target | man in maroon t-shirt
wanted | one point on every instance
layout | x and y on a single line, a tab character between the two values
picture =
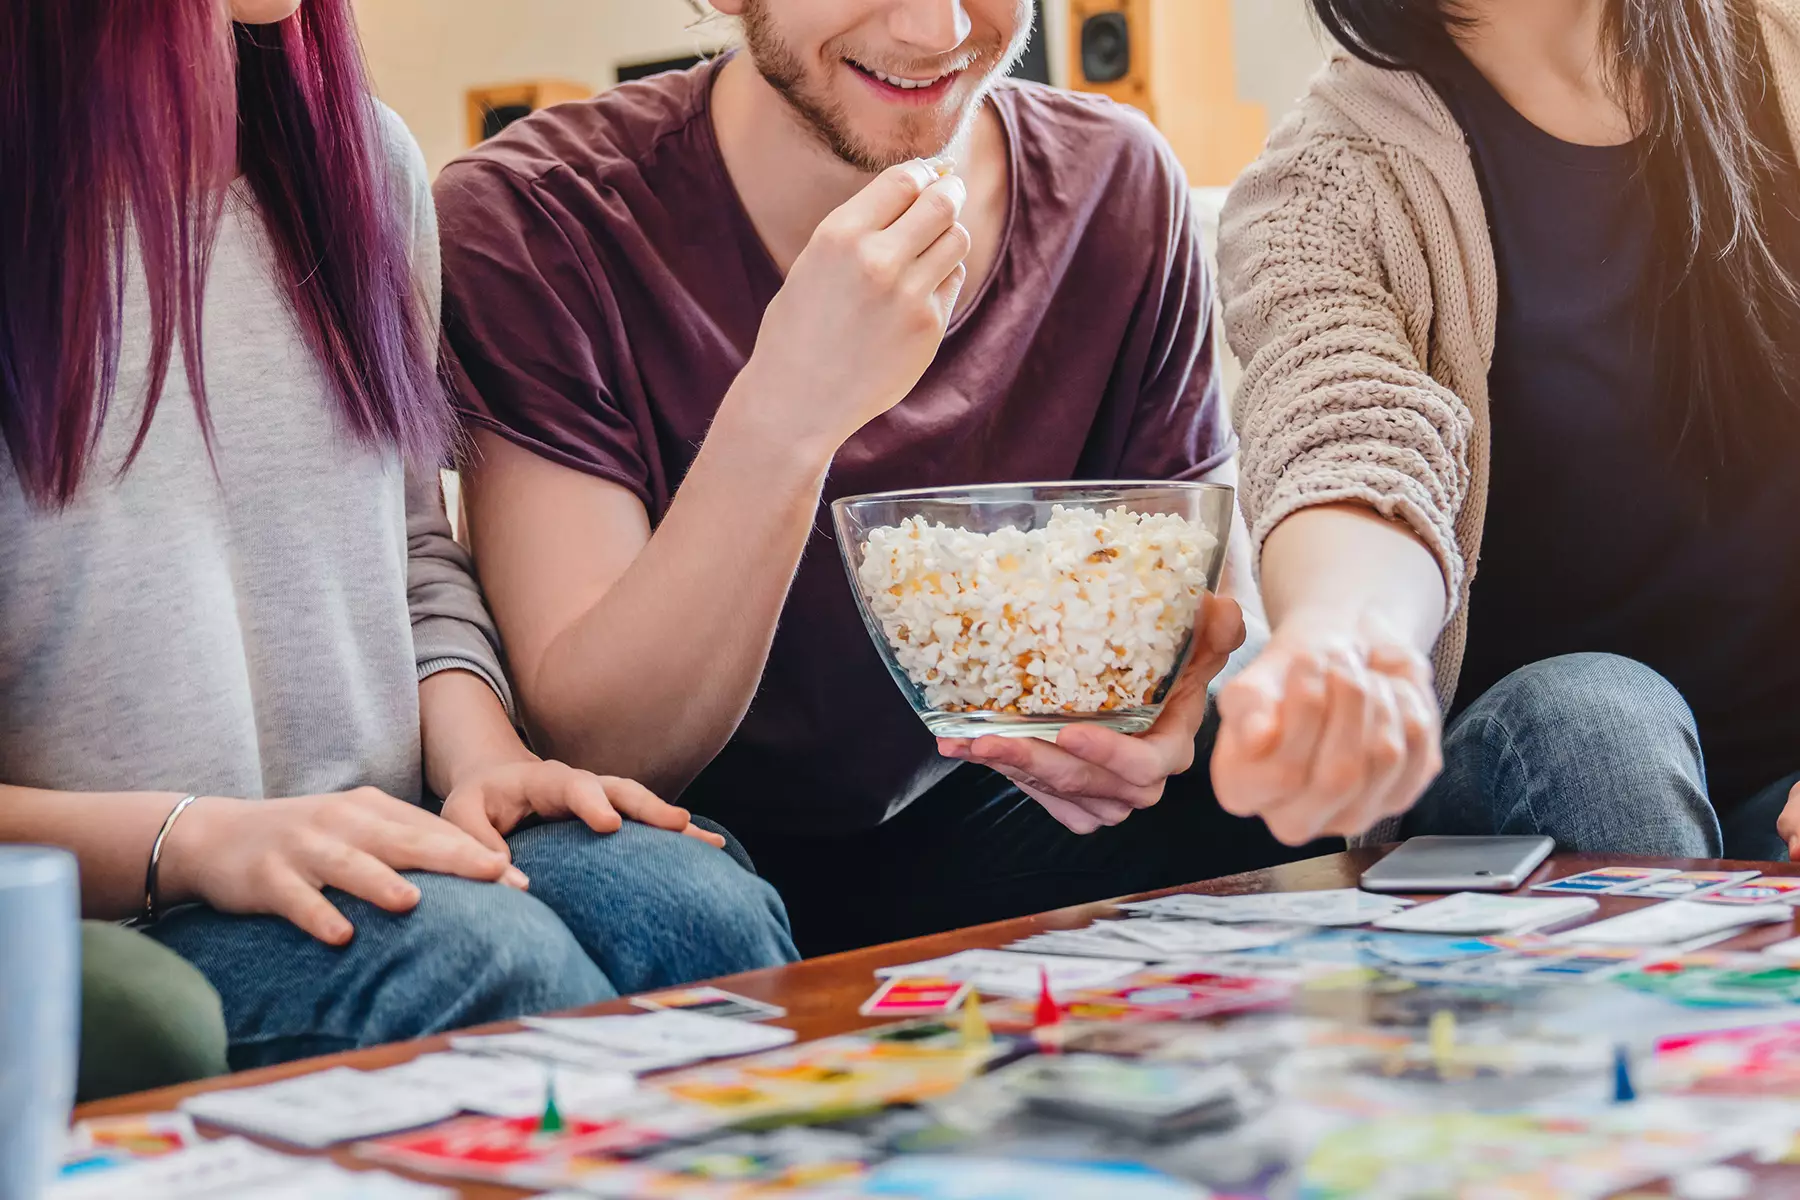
686	315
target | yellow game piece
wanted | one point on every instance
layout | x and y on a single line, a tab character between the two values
975	1032
1443	1038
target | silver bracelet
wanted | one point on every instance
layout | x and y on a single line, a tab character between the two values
151	913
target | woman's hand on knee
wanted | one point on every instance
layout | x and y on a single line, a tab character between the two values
490	803
277	856
1330	730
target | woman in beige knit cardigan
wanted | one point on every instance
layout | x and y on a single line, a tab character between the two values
1519	284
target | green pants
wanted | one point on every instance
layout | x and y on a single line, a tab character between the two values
148	1018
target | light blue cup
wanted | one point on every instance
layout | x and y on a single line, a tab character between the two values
40	1002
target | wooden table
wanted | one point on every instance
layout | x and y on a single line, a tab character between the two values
821	995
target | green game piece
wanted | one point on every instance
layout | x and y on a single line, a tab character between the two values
552	1121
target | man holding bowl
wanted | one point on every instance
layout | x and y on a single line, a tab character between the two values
688	313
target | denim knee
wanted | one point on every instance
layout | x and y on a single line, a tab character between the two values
484	952
655	908
1600	751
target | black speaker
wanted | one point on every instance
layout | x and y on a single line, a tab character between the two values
1105	48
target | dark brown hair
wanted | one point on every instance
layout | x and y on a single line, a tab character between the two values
1719	163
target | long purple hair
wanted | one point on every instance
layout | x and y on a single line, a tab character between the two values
121	127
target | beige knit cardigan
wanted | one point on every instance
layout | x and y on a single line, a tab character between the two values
1360	293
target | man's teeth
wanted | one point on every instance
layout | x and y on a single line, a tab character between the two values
906	85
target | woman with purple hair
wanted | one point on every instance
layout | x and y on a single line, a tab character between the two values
238	644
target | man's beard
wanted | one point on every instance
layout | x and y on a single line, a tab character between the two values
826	119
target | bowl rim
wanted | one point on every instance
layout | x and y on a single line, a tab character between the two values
1179	485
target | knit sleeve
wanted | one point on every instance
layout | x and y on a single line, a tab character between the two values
1328	303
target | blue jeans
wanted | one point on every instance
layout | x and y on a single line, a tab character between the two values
639	909
1599	752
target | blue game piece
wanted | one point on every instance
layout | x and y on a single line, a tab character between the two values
1623	1091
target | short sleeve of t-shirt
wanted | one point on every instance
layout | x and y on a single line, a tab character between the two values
530	325
1174	424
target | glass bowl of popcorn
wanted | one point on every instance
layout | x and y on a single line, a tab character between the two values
1021	609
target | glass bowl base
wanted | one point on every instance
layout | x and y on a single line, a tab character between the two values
1044	728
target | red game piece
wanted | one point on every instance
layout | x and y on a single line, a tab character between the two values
1048	1011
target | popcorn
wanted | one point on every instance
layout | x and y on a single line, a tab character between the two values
1087	614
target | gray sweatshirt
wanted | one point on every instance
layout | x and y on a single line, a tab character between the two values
259	630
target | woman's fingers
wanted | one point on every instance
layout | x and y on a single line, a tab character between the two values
470	814
364	876
642	805
441	848
291	897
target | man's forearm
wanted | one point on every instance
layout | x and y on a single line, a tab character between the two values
652	681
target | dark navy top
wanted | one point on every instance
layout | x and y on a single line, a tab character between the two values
1594	540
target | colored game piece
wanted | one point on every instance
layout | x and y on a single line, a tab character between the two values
552	1121
1623	1091
975	1032
1443	1040
1048	1013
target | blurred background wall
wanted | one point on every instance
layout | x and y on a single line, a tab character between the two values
428	54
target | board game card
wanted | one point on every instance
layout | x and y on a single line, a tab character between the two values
1606	880
1767	889
1675	921
312	1180
1689	885
322	1109
1480	912
1333	906
666	1033
228	1166
1008	973
496	1086
712	1002
105	1142
515	1151
583	1056
915	996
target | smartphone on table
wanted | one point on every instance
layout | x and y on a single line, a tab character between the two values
1458	864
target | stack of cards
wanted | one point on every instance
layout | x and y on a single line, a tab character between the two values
549	1048
906	996
515	1152
1145	1099
712	1002
1607	881
1481	912
1006	973
1336	906
1158	940
234	1169
666	1034
513	1087
323	1109
1768	889
1676	921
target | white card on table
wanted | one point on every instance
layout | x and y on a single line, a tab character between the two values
1769	889
667	1032
1675	921
1333	906
1482	912
1009	973
313	1180
1688	885
226	1167
543	1047
322	1109
1788	950
497	1086
1606	881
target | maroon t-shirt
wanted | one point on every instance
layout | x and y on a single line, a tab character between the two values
603	286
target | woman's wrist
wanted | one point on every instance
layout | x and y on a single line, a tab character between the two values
184	850
464	730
